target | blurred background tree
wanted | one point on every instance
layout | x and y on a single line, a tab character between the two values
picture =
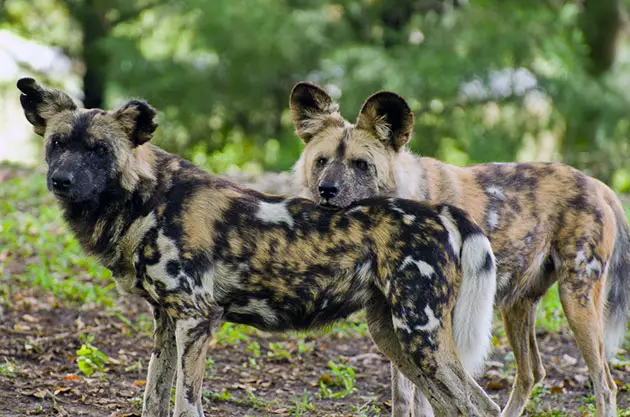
488	81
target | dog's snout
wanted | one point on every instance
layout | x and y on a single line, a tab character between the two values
328	189
62	180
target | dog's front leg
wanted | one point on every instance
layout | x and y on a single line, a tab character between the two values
157	394
192	335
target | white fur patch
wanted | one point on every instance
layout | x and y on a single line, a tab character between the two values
407	175
593	267
454	237
275	213
424	268
496	192
493	219
472	319
356	209
168	252
432	322
364	272
392	203
398	324
504	280
579	258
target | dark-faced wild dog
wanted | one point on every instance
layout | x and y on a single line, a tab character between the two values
546	222
201	250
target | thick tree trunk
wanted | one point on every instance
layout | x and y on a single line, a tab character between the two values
601	22
95	58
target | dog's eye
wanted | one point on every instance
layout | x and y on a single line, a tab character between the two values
100	149
56	143
321	162
360	164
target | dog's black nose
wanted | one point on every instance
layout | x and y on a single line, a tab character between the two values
63	180
328	189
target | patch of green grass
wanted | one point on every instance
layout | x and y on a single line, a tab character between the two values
301	406
278	352
37	249
537	408
549	316
366	410
354	325
232	334
341	375
250	400
589	405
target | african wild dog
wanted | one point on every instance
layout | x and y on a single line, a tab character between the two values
200	250
547	222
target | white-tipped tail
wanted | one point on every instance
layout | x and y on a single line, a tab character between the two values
472	320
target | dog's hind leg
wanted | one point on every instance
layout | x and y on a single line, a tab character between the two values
585	319
157	393
439	375
193	336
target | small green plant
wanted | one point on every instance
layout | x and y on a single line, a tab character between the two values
366	410
589	405
254	349
89	358
302	406
341	376
223	396
278	352
231	334
8	369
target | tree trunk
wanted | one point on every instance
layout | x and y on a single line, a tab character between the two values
95	58
600	23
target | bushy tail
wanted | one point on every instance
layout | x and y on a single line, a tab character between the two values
618	285
472	318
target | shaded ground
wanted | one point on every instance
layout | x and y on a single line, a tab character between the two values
40	374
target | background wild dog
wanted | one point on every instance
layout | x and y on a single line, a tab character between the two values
200	250
547	222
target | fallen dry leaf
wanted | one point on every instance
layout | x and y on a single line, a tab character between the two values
71	377
495	385
59	390
139	383
30	319
556	390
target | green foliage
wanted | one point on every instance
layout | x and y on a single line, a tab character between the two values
341	375
302	405
488	81
8	369
549	315
38	251
89	358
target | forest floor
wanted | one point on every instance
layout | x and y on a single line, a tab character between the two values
71	346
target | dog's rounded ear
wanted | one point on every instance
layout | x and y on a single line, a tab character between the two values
311	110
41	103
137	118
388	116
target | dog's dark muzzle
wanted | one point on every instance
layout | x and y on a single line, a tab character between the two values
62	182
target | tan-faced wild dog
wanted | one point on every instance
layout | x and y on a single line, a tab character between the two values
547	222
201	250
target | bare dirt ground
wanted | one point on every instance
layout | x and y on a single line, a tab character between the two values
40	340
